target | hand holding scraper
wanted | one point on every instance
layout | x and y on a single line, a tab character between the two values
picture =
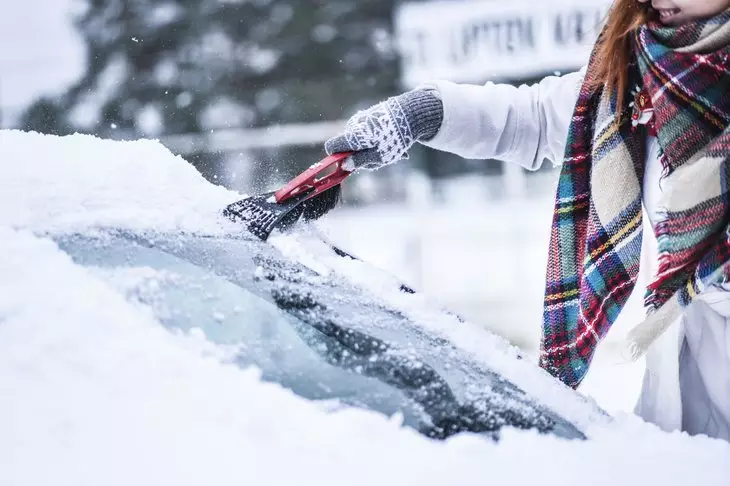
373	138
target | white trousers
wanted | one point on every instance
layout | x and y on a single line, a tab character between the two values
687	380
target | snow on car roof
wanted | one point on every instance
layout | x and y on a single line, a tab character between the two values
94	391
67	184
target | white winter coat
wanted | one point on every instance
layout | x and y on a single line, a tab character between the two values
687	380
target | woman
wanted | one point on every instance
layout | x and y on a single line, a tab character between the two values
642	137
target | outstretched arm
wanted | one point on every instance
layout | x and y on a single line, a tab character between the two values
524	125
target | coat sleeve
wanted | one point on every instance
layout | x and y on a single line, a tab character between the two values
524	125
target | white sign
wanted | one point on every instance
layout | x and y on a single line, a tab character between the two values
481	40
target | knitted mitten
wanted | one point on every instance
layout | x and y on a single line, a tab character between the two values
383	133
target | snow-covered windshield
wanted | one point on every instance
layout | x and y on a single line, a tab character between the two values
188	298
293	332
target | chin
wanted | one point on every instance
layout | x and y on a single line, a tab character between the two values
674	22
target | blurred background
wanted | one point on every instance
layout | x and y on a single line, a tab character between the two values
248	90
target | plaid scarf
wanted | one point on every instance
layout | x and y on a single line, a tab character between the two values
595	243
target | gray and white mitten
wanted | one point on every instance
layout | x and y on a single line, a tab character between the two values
385	132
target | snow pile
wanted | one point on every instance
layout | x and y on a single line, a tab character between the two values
75	183
93	390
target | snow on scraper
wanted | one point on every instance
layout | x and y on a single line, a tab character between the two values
308	196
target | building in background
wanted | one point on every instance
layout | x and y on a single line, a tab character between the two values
488	40
477	41
209	78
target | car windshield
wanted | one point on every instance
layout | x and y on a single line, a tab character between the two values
309	333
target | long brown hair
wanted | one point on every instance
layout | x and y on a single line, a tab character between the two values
613	52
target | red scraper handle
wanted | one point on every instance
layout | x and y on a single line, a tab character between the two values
308	179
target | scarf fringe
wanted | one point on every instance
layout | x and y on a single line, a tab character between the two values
641	337
666	272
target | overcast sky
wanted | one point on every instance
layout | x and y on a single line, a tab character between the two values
40	52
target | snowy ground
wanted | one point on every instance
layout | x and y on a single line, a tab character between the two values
93	390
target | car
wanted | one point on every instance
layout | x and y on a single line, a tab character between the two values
315	333
334	330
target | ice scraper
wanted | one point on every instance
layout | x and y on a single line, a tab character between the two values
309	195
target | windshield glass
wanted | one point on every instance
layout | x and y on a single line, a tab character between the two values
186	297
308	334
